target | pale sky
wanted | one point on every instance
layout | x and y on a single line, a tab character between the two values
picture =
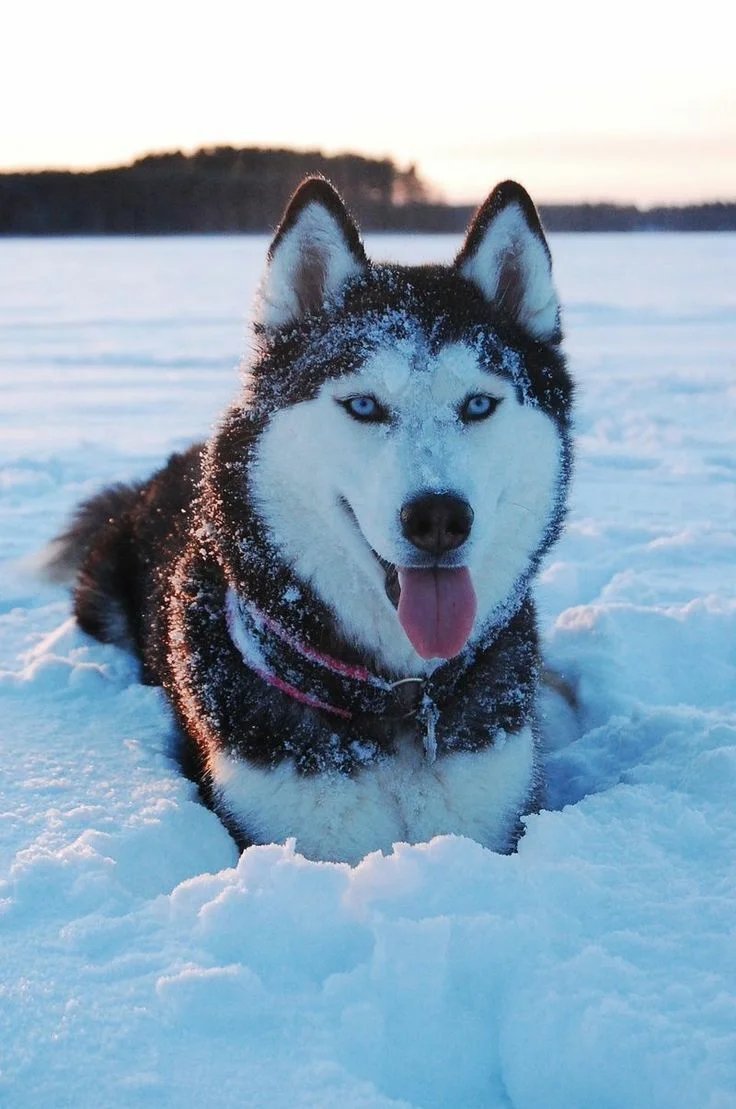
579	101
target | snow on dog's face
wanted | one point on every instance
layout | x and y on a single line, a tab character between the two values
413	462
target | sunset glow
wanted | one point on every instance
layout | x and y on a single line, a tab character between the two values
638	109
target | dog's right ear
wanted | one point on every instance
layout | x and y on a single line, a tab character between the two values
315	252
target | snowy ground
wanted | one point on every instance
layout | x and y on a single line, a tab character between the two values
142	963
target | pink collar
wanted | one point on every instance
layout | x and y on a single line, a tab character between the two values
253	632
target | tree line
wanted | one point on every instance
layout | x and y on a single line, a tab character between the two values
224	189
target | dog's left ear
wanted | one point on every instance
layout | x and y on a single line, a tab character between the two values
506	255
315	252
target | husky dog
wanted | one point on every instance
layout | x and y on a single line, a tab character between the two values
334	590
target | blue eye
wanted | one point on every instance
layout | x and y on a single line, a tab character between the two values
479	406
362	407
366	409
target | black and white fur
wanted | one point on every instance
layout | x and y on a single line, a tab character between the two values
294	507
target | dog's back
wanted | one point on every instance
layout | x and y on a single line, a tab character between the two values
115	551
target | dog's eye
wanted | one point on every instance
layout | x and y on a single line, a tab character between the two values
479	406
365	408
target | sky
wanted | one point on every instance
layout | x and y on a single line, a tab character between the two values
632	103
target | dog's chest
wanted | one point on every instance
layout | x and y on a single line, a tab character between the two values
403	798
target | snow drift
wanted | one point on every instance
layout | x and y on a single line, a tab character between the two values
144	963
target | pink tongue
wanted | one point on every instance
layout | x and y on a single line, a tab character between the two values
436	610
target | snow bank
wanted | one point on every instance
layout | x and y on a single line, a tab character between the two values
144	963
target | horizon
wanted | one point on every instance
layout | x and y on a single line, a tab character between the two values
646	116
436	195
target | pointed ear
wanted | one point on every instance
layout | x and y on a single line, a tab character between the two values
316	250
506	255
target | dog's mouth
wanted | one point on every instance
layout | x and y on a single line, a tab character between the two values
436	605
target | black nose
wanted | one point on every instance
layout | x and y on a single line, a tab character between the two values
437	522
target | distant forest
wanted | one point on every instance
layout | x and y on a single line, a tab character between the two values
222	189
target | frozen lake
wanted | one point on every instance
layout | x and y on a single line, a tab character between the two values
141	963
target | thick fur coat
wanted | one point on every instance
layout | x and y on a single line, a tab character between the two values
334	590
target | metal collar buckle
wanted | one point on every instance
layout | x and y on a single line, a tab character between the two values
413	698
408	694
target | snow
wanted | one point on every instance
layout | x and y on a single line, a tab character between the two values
143	963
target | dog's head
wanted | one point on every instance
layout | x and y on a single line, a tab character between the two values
414	449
